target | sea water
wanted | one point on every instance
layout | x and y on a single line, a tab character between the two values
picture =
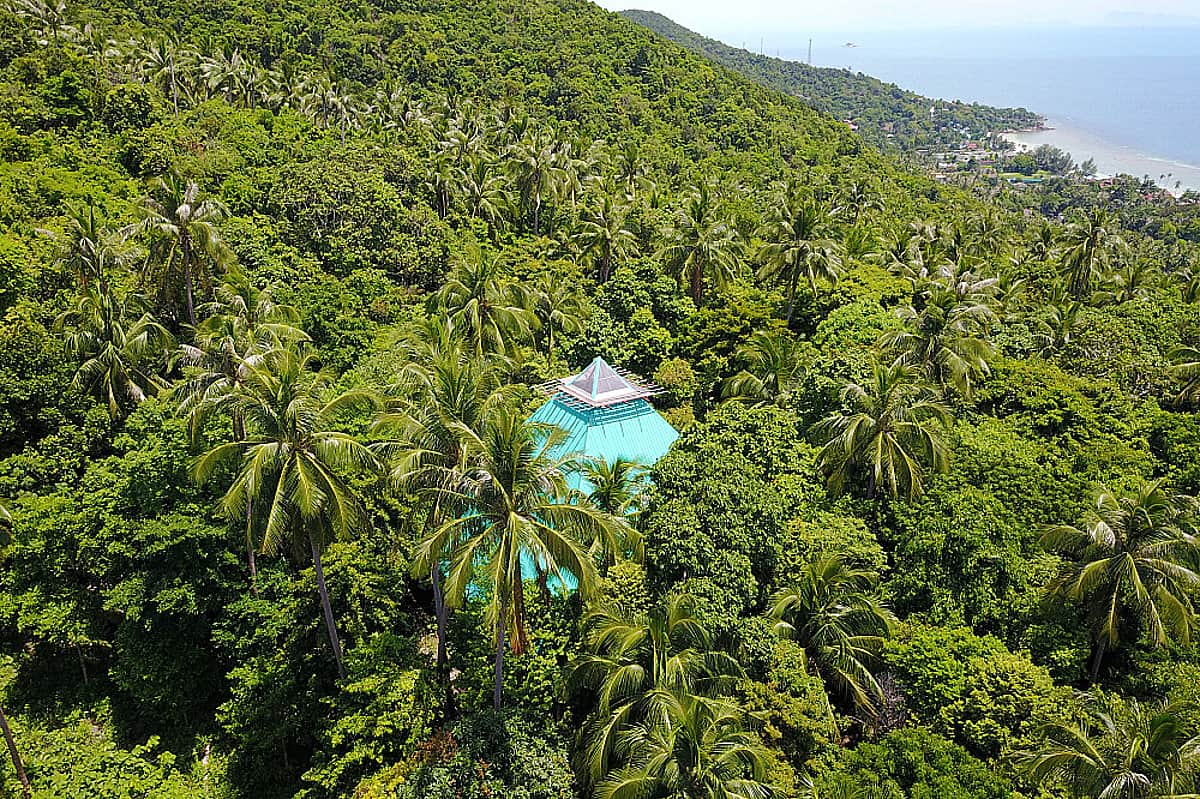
1127	97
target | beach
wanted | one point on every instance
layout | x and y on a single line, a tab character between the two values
1111	159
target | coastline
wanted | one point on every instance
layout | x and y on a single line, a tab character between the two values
1110	158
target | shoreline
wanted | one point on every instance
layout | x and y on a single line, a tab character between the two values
1110	158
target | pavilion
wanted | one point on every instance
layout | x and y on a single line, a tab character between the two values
605	414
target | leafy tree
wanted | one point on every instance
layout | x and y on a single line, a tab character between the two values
291	462
1130	565
893	429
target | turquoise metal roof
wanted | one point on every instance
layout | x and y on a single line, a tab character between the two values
632	430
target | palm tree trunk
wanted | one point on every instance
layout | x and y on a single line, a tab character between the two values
443	658
697	284
15	755
239	433
791	297
496	692
330	625
1097	658
521	639
186	246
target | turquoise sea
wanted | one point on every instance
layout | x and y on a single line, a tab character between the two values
1128	97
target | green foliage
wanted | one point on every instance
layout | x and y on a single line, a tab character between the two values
915	764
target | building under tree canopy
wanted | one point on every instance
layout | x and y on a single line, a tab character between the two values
605	414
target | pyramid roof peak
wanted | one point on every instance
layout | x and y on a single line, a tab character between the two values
601	385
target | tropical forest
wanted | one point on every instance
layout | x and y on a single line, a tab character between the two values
416	399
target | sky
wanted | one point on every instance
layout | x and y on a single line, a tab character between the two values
723	17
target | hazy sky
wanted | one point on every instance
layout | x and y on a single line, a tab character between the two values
715	17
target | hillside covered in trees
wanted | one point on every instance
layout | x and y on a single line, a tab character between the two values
278	284
887	116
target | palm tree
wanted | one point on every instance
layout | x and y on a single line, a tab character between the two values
701	751
89	249
1119	748
700	244
1132	561
944	335
122	357
775	361
186	245
892	428
534	163
243	325
1089	246
797	243
833	612
443	400
520	509
292	463
558	306
1187	371
603	237
486	304
617	486
636	666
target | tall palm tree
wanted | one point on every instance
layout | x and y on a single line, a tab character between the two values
603	237
186	246
486	304
292	463
1089	246
702	751
1186	370
797	243
534	161
700	245
244	324
893	428
1119	748
636	666
559	307
520	508
442	401
120	355
774	362
1131	564
834	613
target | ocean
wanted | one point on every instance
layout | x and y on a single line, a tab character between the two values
1127	97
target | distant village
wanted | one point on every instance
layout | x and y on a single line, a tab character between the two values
995	160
